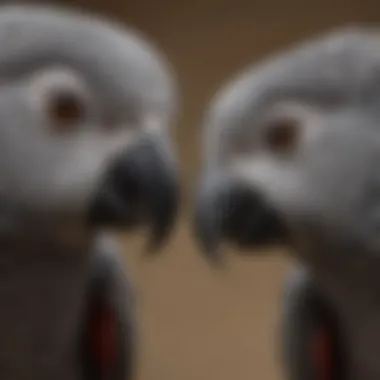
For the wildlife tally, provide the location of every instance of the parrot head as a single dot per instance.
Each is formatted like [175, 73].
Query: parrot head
[85, 113]
[291, 147]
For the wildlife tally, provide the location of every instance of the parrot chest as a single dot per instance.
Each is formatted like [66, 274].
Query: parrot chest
[359, 315]
[363, 339]
[41, 305]
[350, 284]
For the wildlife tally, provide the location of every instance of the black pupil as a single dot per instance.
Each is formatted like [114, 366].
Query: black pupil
[283, 135]
[66, 107]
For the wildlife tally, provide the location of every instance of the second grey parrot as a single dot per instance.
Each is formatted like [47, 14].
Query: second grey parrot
[292, 156]
[86, 108]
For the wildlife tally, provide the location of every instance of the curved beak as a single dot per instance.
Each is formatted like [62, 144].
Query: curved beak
[141, 188]
[229, 210]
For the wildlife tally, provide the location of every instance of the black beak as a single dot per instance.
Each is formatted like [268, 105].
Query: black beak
[141, 187]
[229, 210]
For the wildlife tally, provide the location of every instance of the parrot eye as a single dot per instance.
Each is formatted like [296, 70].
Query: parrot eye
[282, 135]
[61, 96]
[65, 109]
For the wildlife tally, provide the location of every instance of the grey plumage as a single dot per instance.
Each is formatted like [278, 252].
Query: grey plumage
[86, 108]
[123, 80]
[320, 196]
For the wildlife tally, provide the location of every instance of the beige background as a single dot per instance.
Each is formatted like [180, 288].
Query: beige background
[198, 324]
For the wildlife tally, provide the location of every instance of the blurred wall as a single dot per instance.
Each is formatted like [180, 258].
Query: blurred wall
[197, 323]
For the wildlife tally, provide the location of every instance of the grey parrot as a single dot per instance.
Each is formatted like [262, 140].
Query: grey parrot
[86, 108]
[292, 158]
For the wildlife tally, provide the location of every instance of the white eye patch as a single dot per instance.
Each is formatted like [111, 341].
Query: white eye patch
[61, 97]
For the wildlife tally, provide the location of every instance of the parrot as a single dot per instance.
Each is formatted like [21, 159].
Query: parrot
[87, 106]
[290, 158]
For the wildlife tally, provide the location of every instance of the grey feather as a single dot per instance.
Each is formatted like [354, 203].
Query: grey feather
[50, 177]
[325, 188]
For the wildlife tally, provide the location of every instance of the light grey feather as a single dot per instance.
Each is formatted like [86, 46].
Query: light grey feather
[326, 187]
